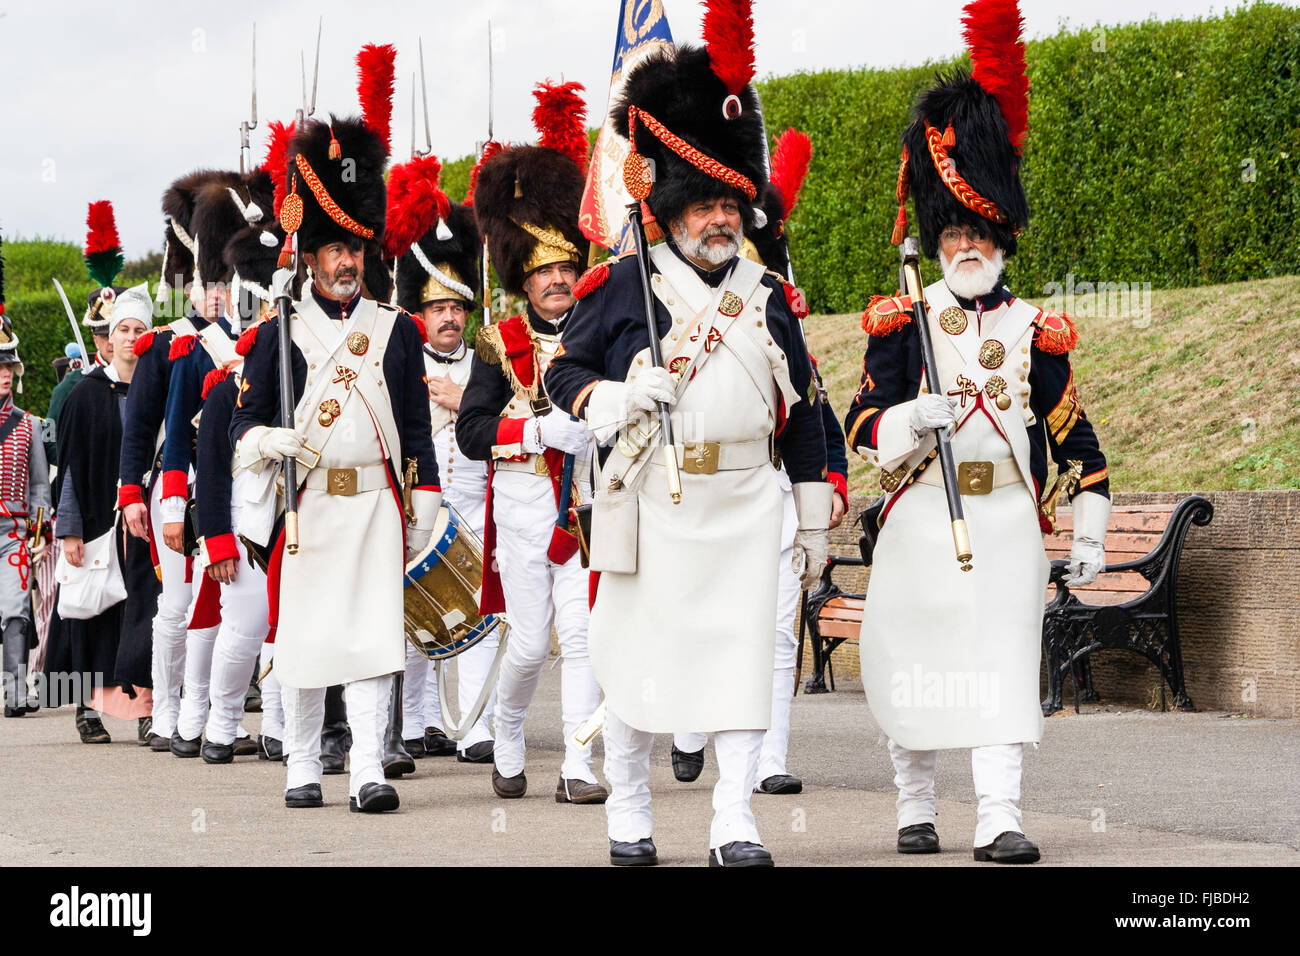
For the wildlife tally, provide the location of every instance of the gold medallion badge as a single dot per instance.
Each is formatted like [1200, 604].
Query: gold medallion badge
[953, 320]
[992, 354]
[329, 410]
[358, 342]
[731, 304]
[996, 389]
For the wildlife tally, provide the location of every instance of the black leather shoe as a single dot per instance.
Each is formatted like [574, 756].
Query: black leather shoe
[15, 711]
[244, 746]
[780, 783]
[438, 744]
[739, 853]
[159, 744]
[308, 795]
[1009, 847]
[640, 853]
[269, 748]
[687, 767]
[508, 788]
[415, 748]
[579, 791]
[480, 752]
[181, 747]
[217, 753]
[374, 798]
[918, 838]
[397, 763]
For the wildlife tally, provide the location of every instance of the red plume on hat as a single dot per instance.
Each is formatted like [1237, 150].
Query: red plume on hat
[490, 149]
[277, 154]
[375, 90]
[729, 36]
[790, 161]
[561, 120]
[416, 203]
[104, 259]
[997, 55]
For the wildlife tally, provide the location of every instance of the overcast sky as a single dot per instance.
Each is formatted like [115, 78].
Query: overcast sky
[115, 100]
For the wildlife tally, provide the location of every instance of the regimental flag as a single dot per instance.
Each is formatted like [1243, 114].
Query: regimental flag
[642, 29]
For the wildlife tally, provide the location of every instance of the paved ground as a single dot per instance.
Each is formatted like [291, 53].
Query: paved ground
[1106, 788]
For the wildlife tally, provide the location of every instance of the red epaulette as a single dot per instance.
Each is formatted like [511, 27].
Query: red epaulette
[1056, 333]
[244, 345]
[419, 324]
[214, 377]
[795, 299]
[591, 280]
[144, 342]
[886, 314]
[182, 345]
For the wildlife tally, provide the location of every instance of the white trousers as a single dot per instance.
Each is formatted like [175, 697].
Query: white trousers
[304, 717]
[776, 740]
[239, 640]
[420, 702]
[169, 633]
[540, 594]
[996, 774]
[272, 705]
[627, 768]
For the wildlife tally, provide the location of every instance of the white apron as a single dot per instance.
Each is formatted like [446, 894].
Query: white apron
[686, 643]
[950, 658]
[340, 599]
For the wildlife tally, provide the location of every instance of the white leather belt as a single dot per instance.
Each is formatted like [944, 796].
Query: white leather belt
[348, 481]
[973, 477]
[709, 457]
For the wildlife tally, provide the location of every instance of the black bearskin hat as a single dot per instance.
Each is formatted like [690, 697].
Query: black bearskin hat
[456, 256]
[769, 239]
[352, 182]
[220, 211]
[539, 187]
[974, 124]
[679, 88]
[251, 255]
[178, 206]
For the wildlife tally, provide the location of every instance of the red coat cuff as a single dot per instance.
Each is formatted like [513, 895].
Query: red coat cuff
[841, 486]
[510, 431]
[129, 495]
[221, 547]
[175, 484]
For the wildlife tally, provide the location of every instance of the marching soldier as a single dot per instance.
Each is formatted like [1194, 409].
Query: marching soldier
[437, 280]
[769, 248]
[220, 212]
[681, 625]
[360, 431]
[248, 263]
[24, 491]
[526, 199]
[1010, 401]
[141, 490]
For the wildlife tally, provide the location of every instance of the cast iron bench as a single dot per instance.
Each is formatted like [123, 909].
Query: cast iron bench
[1132, 604]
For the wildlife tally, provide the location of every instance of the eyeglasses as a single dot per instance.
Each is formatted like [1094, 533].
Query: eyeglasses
[952, 235]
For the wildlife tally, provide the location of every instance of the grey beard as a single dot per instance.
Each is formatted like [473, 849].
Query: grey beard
[700, 248]
[972, 285]
[343, 289]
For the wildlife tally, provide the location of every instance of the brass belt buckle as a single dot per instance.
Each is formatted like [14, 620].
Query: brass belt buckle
[700, 457]
[975, 477]
[341, 481]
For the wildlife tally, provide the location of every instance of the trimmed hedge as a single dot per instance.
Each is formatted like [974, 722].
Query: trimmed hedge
[1138, 166]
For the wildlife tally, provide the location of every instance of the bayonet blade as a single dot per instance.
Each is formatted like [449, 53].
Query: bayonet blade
[489, 81]
[424, 98]
[315, 73]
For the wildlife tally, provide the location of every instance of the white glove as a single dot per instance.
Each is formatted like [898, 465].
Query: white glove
[1088, 552]
[812, 544]
[652, 386]
[425, 503]
[930, 412]
[279, 443]
[556, 429]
